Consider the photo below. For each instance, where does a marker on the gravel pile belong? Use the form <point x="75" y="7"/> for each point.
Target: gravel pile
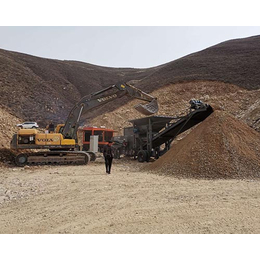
<point x="220" y="147"/>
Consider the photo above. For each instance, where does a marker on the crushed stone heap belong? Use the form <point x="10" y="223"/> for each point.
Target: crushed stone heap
<point x="220" y="147"/>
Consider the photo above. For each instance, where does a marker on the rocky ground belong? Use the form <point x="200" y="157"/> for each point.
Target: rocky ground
<point x="83" y="199"/>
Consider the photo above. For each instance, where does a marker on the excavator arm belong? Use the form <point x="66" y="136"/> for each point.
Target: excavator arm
<point x="102" y="97"/>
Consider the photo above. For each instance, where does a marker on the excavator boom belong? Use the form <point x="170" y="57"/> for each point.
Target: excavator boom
<point x="102" y="97"/>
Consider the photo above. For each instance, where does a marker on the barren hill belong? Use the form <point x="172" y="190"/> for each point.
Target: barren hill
<point x="42" y="89"/>
<point x="221" y="146"/>
<point x="235" y="61"/>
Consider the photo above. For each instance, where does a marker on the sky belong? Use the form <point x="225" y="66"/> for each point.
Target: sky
<point x="118" y="46"/>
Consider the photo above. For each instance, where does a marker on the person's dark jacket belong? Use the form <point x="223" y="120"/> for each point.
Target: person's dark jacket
<point x="108" y="151"/>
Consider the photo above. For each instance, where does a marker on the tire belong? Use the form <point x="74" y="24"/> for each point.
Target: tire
<point x="148" y="156"/>
<point x="142" y="156"/>
<point x="21" y="159"/>
<point x="33" y="127"/>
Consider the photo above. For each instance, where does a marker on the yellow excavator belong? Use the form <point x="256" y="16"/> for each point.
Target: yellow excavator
<point x="62" y="146"/>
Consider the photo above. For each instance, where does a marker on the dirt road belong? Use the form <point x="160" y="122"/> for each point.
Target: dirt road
<point x="83" y="199"/>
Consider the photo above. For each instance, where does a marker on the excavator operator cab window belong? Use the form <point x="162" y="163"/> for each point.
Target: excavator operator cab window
<point x="100" y="135"/>
<point x="88" y="133"/>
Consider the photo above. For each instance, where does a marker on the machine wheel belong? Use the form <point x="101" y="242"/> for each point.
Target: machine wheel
<point x="21" y="159"/>
<point x="148" y="156"/>
<point x="92" y="156"/>
<point x="142" y="156"/>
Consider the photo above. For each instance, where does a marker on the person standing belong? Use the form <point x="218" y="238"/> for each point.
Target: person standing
<point x="108" y="154"/>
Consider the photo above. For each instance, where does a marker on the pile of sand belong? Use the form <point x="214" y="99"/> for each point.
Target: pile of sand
<point x="220" y="147"/>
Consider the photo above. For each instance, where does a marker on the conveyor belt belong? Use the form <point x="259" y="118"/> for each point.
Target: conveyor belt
<point x="185" y="123"/>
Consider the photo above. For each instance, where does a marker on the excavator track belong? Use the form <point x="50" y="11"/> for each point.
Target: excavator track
<point x="53" y="158"/>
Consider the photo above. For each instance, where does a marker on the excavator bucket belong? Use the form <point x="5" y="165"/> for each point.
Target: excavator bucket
<point x="149" y="108"/>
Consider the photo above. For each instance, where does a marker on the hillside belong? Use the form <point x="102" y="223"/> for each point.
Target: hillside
<point x="41" y="89"/>
<point x="174" y="100"/>
<point x="7" y="126"/>
<point x="235" y="61"/>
